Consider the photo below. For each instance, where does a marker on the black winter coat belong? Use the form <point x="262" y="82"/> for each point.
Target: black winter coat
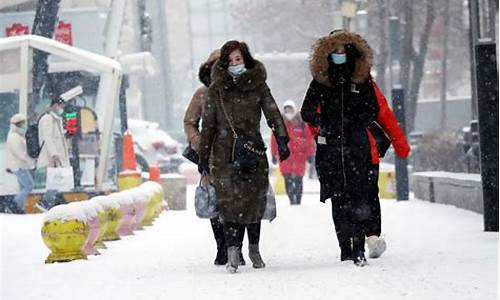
<point x="343" y="154"/>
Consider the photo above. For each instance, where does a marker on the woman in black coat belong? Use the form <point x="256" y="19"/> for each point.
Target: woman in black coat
<point x="341" y="101"/>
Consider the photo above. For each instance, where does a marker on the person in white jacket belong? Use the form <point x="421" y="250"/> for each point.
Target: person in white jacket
<point x="54" y="152"/>
<point x="18" y="162"/>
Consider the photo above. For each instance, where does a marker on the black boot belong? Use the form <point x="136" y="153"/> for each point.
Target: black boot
<point x="221" y="258"/>
<point x="358" y="250"/>
<point x="346" y="250"/>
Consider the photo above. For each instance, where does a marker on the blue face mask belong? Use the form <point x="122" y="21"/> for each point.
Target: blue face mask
<point x="338" y="59"/>
<point x="237" y="70"/>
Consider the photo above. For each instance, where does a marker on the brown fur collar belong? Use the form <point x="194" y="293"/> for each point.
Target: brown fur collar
<point x="206" y="67"/>
<point x="250" y="80"/>
<point x="318" y="61"/>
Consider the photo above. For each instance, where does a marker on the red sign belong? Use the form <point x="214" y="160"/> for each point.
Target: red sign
<point x="17" y="29"/>
<point x="63" y="33"/>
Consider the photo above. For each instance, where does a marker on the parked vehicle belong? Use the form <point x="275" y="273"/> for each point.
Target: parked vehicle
<point x="152" y="145"/>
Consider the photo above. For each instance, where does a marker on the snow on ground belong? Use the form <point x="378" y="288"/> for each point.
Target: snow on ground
<point x="434" y="252"/>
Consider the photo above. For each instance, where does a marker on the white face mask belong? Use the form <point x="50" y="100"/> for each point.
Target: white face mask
<point x="237" y="70"/>
<point x="22" y="127"/>
<point x="59" y="111"/>
<point x="289" y="116"/>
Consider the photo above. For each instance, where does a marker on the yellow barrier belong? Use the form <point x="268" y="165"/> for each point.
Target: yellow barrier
<point x="66" y="227"/>
<point x="128" y="180"/>
<point x="65" y="239"/>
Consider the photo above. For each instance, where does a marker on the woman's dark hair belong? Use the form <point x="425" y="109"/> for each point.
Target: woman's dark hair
<point x="231" y="46"/>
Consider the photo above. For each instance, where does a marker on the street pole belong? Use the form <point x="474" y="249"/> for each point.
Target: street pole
<point x="398" y="106"/>
<point x="472" y="55"/>
<point x="487" y="96"/>
<point x="486" y="88"/>
<point x="43" y="25"/>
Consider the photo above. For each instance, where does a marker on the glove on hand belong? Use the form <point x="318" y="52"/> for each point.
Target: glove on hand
<point x="283" y="150"/>
<point x="203" y="167"/>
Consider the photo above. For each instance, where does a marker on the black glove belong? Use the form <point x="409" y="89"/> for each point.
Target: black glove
<point x="283" y="150"/>
<point x="275" y="161"/>
<point x="203" y="167"/>
<point x="310" y="159"/>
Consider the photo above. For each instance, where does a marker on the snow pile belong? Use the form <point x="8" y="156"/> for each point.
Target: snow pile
<point x="450" y="175"/>
<point x="137" y="196"/>
<point x="151" y="187"/>
<point x="66" y="212"/>
<point x="107" y="201"/>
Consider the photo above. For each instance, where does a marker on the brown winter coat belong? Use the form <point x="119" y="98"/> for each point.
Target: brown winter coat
<point x="242" y="198"/>
<point x="192" y="117"/>
<point x="193" y="113"/>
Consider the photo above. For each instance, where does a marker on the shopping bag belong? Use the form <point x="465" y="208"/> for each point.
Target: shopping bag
<point x="270" y="212"/>
<point x="60" y="179"/>
<point x="205" y="202"/>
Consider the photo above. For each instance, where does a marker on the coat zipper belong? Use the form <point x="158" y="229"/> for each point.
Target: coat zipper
<point x="342" y="132"/>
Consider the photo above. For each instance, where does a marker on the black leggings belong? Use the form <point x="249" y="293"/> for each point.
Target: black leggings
<point x="218" y="230"/>
<point x="347" y="223"/>
<point x="373" y="226"/>
<point x="352" y="217"/>
<point x="294" y="188"/>
<point x="235" y="232"/>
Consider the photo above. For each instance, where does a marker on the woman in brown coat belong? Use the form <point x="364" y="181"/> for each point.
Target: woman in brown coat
<point x="192" y="120"/>
<point x="236" y="99"/>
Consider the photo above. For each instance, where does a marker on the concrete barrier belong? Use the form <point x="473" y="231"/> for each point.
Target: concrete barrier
<point x="174" y="186"/>
<point x="459" y="189"/>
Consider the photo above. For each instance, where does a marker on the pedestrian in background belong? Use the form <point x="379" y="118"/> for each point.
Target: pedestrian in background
<point x="231" y="137"/>
<point x="54" y="151"/>
<point x="301" y="147"/>
<point x="18" y="162"/>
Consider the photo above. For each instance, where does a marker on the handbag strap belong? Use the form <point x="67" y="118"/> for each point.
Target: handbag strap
<point x="235" y="135"/>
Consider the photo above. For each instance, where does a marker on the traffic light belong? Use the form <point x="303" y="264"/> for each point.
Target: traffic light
<point x="71" y="123"/>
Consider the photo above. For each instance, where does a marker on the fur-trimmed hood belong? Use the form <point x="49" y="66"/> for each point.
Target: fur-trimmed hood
<point x="250" y="80"/>
<point x="206" y="67"/>
<point x="318" y="61"/>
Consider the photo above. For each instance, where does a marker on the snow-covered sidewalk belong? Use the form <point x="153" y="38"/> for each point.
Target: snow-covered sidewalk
<point x="434" y="252"/>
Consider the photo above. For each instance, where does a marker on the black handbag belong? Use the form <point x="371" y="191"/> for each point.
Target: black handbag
<point x="382" y="141"/>
<point x="246" y="151"/>
<point x="191" y="155"/>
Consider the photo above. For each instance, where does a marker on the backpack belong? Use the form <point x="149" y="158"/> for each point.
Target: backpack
<point x="32" y="142"/>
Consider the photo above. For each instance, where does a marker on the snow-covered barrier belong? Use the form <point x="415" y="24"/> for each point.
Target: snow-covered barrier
<point x="459" y="189"/>
<point x="73" y="231"/>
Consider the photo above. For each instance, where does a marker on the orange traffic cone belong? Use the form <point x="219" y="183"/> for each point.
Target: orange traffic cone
<point x="129" y="162"/>
<point x="154" y="173"/>
<point x="129" y="177"/>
